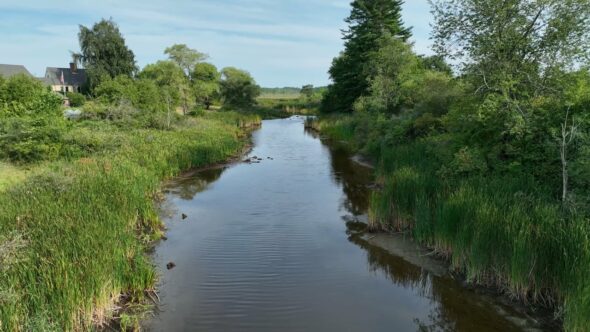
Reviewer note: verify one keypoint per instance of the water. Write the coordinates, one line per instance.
(279, 246)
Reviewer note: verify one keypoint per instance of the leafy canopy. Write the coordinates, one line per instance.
(103, 52)
(368, 22)
(187, 58)
(238, 88)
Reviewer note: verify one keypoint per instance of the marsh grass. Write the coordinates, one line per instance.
(10, 175)
(84, 224)
(500, 231)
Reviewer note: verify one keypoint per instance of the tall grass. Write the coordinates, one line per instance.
(502, 231)
(10, 175)
(85, 225)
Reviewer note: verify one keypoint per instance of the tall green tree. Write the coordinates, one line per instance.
(517, 57)
(205, 82)
(238, 88)
(185, 57)
(368, 22)
(171, 80)
(103, 52)
(515, 49)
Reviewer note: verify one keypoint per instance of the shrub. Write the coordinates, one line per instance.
(76, 99)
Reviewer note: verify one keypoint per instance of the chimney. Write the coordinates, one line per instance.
(73, 67)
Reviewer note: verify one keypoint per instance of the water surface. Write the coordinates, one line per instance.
(278, 246)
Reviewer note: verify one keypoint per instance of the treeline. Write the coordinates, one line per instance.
(486, 160)
(308, 91)
(33, 128)
(184, 80)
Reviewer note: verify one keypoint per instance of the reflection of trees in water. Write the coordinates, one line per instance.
(354, 179)
(453, 308)
(187, 187)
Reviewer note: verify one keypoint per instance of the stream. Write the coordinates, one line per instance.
(280, 245)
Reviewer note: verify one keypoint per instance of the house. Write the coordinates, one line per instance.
(65, 80)
(7, 71)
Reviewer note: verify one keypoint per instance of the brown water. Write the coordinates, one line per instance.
(280, 246)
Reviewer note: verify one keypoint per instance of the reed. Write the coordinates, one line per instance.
(82, 226)
(501, 231)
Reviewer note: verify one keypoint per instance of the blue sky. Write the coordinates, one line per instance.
(281, 42)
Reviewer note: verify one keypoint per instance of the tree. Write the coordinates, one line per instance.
(142, 93)
(205, 78)
(169, 77)
(512, 48)
(238, 88)
(516, 58)
(368, 22)
(187, 58)
(436, 63)
(307, 91)
(104, 52)
(394, 69)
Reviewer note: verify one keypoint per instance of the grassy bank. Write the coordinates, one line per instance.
(502, 230)
(74, 232)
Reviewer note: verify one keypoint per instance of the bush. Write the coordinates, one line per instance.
(76, 99)
(24, 95)
(31, 139)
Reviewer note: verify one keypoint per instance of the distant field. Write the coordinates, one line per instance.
(279, 96)
(280, 93)
(285, 93)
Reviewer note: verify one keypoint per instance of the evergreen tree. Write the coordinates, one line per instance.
(368, 22)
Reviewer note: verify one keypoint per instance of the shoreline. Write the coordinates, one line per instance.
(412, 251)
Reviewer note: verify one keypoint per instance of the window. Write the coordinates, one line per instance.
(67, 89)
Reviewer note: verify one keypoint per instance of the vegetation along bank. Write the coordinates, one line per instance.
(485, 161)
(77, 193)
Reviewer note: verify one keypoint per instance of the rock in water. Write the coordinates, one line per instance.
(184, 216)
(170, 265)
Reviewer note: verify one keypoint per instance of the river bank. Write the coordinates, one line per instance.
(74, 233)
(481, 256)
(255, 250)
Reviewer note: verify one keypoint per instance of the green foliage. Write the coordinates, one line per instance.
(93, 219)
(31, 125)
(471, 164)
(103, 52)
(368, 22)
(76, 99)
(142, 93)
(238, 89)
(24, 95)
(185, 57)
(205, 81)
(307, 91)
(501, 230)
(31, 138)
(171, 80)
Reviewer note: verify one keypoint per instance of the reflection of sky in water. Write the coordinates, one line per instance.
(276, 246)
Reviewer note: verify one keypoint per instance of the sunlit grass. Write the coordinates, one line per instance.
(85, 224)
(10, 175)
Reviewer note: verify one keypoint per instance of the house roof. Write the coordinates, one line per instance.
(11, 70)
(53, 76)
